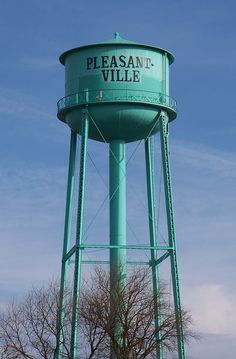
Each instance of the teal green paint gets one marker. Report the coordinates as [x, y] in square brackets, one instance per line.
[117, 41]
[123, 87]
[141, 73]
[66, 243]
[171, 232]
[153, 239]
[117, 204]
[114, 110]
[124, 84]
[128, 246]
[117, 196]
[164, 74]
[108, 262]
[70, 253]
[167, 75]
[79, 235]
[161, 259]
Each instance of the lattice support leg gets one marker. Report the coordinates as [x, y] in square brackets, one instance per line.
[153, 239]
[66, 243]
[171, 232]
[79, 235]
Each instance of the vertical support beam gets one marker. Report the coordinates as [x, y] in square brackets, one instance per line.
[171, 232]
[117, 190]
[67, 234]
[79, 235]
[153, 239]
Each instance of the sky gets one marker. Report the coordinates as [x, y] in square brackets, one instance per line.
[34, 146]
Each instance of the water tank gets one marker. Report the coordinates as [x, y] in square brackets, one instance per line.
[124, 86]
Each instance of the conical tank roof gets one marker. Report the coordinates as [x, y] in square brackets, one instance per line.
[116, 40]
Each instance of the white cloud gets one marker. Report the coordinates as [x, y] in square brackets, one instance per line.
[213, 308]
[32, 216]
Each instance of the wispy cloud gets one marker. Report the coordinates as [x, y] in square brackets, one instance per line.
[28, 113]
[24, 105]
[32, 214]
[31, 228]
[213, 308]
[203, 158]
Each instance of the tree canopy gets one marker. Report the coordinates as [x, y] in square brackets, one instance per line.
[120, 320]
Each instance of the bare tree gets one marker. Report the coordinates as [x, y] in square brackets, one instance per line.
[127, 327]
[120, 317]
[28, 328]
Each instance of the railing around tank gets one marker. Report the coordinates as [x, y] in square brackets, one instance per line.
[116, 95]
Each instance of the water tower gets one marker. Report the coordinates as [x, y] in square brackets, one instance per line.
[118, 92]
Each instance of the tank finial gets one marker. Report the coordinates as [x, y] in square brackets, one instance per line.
[117, 35]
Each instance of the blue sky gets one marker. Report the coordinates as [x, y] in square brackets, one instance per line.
[34, 145]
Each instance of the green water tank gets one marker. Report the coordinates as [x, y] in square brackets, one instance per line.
[124, 86]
